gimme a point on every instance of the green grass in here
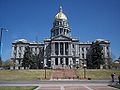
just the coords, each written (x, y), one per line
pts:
(15, 75)
(17, 87)
(97, 74)
(9, 75)
(115, 86)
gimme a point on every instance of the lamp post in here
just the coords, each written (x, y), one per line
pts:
(1, 31)
(41, 64)
(49, 63)
(84, 66)
(63, 69)
(45, 70)
(77, 64)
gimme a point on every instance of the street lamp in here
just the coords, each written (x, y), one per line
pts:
(84, 66)
(1, 30)
(77, 64)
(41, 64)
(49, 61)
(63, 70)
(45, 70)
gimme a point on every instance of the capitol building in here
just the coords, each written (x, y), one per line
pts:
(61, 50)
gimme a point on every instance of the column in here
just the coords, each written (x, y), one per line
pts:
(59, 31)
(13, 51)
(71, 49)
(64, 61)
(63, 48)
(76, 50)
(44, 50)
(58, 61)
(105, 52)
(22, 54)
(53, 48)
(52, 52)
(17, 51)
(85, 52)
(52, 62)
(80, 53)
(45, 61)
(69, 61)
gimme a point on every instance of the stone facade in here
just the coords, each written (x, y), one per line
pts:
(60, 50)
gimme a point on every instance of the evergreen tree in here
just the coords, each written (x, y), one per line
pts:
(40, 57)
(96, 56)
(1, 62)
(27, 58)
(34, 62)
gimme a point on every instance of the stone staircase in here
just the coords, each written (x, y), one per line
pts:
(63, 74)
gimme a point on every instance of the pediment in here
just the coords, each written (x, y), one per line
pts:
(62, 38)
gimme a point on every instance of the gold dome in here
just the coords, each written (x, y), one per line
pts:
(60, 15)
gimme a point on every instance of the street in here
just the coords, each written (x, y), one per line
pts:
(63, 84)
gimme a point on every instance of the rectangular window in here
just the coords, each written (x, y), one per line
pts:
(56, 61)
(61, 61)
(66, 48)
(66, 61)
(56, 48)
(61, 48)
(83, 49)
(83, 55)
(20, 48)
(61, 30)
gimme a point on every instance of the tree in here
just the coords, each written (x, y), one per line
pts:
(34, 62)
(40, 57)
(1, 62)
(27, 58)
(95, 57)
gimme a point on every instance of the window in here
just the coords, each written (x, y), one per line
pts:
(66, 48)
(61, 48)
(57, 31)
(87, 48)
(61, 30)
(36, 50)
(61, 60)
(83, 49)
(56, 61)
(56, 48)
(20, 48)
(108, 54)
(19, 55)
(83, 55)
(107, 48)
(66, 61)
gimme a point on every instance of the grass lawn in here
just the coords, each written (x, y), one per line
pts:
(97, 74)
(9, 75)
(17, 87)
(115, 86)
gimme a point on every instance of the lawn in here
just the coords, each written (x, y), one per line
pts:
(9, 75)
(97, 74)
(115, 86)
(16, 75)
(17, 87)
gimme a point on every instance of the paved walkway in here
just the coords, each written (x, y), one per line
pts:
(63, 74)
(63, 84)
(75, 87)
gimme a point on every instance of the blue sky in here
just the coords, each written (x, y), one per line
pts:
(88, 19)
